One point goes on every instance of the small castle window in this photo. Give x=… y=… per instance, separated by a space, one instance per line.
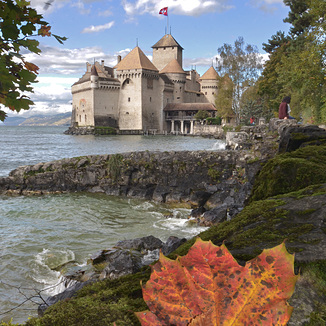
x=164 y=48
x=205 y=93
x=128 y=99
x=213 y=93
x=150 y=99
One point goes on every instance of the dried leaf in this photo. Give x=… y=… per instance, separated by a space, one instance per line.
x=208 y=287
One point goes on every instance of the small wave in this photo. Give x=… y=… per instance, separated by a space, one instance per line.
x=218 y=146
x=42 y=267
x=179 y=224
x=144 y=206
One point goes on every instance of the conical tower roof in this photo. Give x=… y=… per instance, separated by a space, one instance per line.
x=135 y=59
x=173 y=67
x=94 y=71
x=210 y=74
x=167 y=41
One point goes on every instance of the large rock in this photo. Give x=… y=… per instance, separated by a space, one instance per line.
x=294 y=137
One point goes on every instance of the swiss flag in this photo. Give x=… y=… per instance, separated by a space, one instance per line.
x=164 y=11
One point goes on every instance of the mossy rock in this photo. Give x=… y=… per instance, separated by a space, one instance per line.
x=291 y=172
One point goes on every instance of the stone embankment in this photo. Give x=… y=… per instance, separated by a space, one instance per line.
x=201 y=179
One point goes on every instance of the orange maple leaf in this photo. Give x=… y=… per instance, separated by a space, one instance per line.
x=31 y=66
x=208 y=287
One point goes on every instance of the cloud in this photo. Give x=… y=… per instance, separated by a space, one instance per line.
x=179 y=7
x=268 y=6
x=81 y=7
x=47 y=6
x=105 y=13
x=63 y=61
x=98 y=28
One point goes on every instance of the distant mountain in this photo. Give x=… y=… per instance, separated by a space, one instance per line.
x=62 y=119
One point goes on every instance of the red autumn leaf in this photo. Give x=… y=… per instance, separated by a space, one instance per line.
x=31 y=66
x=208 y=287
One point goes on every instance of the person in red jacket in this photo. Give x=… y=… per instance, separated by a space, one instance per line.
x=283 y=112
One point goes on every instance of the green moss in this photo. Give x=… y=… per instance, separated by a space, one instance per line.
x=114 y=166
x=105 y=131
x=213 y=174
x=291 y=172
x=101 y=303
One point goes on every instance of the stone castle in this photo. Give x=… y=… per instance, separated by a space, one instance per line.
x=138 y=96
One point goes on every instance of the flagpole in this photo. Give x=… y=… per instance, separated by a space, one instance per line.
x=167 y=25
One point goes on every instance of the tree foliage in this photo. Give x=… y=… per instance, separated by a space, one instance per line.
x=224 y=96
x=208 y=287
x=242 y=63
x=201 y=115
x=297 y=62
x=19 y=25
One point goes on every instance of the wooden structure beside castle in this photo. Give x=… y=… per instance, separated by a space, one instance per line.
x=139 y=96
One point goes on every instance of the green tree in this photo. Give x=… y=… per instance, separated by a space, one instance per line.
x=224 y=97
x=299 y=16
x=242 y=63
x=19 y=25
x=297 y=62
x=201 y=115
x=253 y=105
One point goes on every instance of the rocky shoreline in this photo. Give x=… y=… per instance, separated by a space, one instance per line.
x=217 y=185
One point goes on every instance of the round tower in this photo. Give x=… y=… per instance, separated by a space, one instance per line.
x=177 y=75
x=94 y=77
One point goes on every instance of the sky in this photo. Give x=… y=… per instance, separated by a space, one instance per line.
x=103 y=29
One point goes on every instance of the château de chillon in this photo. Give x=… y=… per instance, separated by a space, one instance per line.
x=138 y=96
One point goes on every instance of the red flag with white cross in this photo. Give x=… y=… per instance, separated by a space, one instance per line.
x=164 y=11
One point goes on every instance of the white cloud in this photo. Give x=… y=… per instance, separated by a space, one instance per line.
x=267 y=5
x=105 y=13
x=180 y=7
x=98 y=28
x=63 y=61
x=47 y=6
x=81 y=7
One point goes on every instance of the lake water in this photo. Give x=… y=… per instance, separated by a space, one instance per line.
x=38 y=234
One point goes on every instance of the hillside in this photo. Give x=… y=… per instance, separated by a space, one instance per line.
x=62 y=119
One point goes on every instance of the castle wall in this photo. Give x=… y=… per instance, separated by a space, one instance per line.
x=179 y=81
x=130 y=100
x=106 y=101
x=194 y=97
x=152 y=102
x=82 y=102
x=191 y=82
x=209 y=89
x=162 y=56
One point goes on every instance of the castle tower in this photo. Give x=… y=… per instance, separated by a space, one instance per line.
x=139 y=102
x=165 y=50
x=95 y=97
x=177 y=75
x=94 y=77
x=208 y=84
